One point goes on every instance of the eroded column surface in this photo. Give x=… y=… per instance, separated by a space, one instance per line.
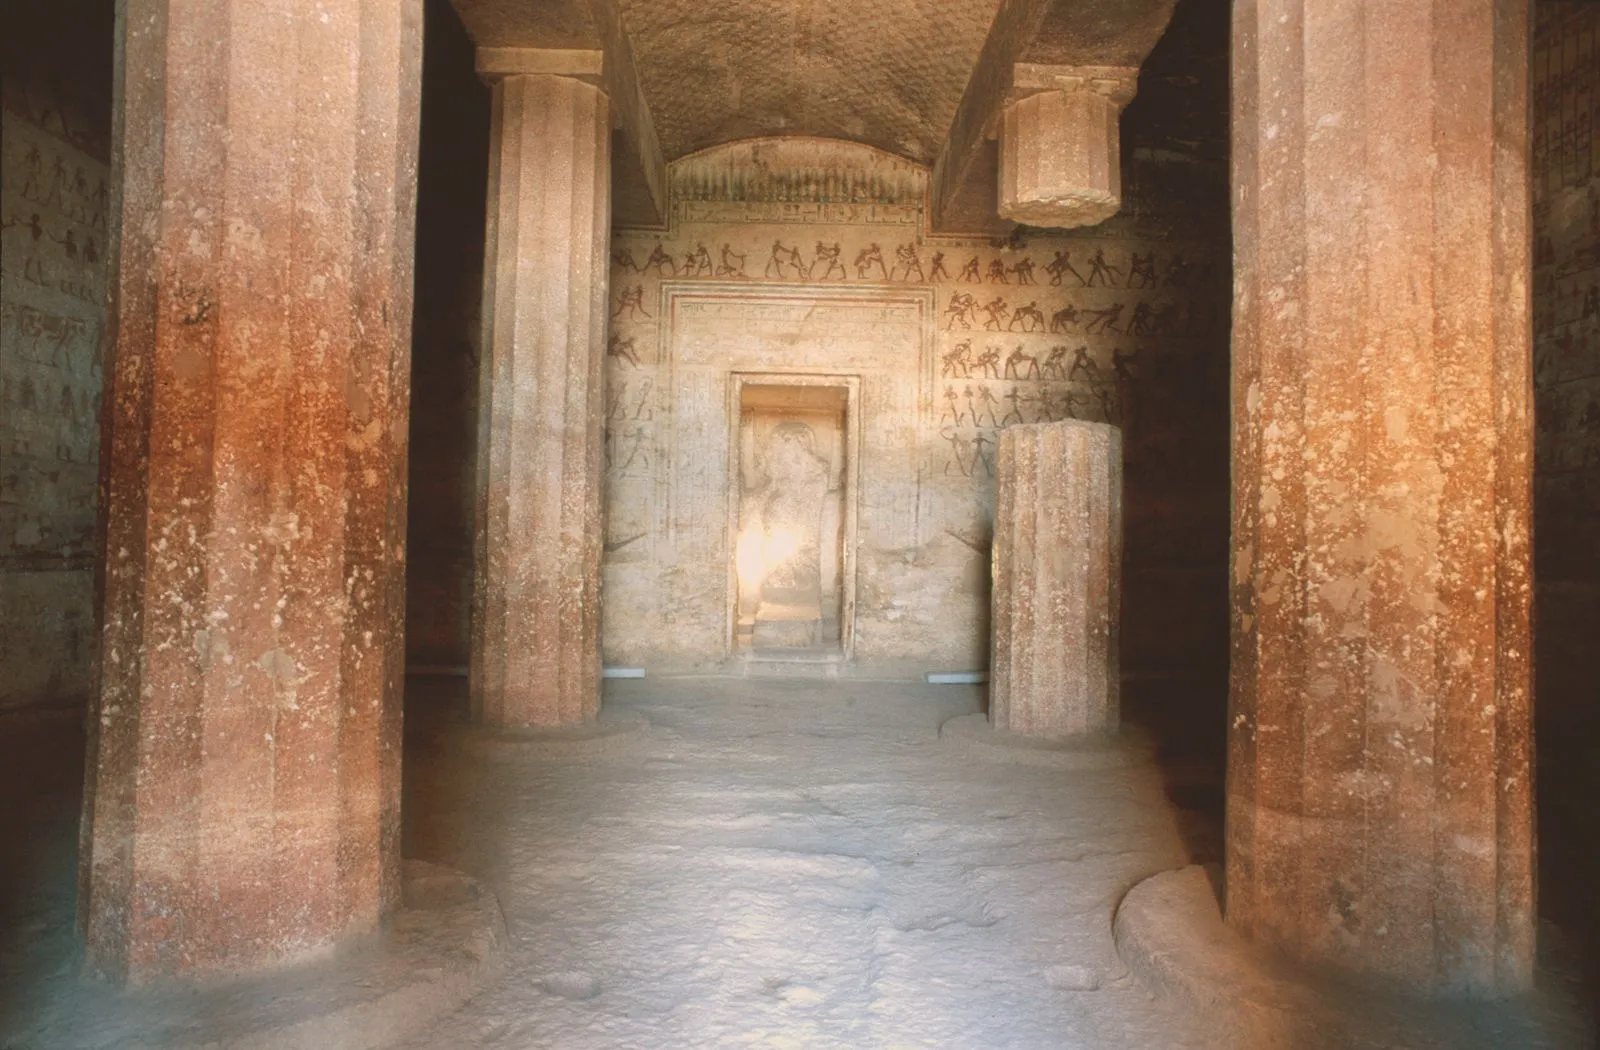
x=1379 y=792
x=536 y=616
x=242 y=800
x=1061 y=144
x=1057 y=568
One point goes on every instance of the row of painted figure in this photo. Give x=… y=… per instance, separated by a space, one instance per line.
x=992 y=362
x=63 y=267
x=629 y=440
x=998 y=316
x=72 y=195
x=970 y=407
x=975 y=405
x=963 y=311
x=962 y=362
x=785 y=261
x=630 y=451
x=969 y=452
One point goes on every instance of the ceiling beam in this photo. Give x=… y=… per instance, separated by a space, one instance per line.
x=1015 y=26
x=1028 y=33
x=583 y=39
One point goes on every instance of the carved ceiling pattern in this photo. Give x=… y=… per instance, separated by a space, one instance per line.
x=887 y=74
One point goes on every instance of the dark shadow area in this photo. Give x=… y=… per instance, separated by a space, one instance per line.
x=58 y=57
x=1565 y=183
x=56 y=86
x=452 y=184
x=41 y=780
x=1175 y=611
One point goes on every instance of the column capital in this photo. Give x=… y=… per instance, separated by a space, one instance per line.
x=1095 y=44
x=1117 y=84
x=585 y=64
x=1061 y=144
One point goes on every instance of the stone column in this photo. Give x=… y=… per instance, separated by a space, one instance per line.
x=1053 y=667
x=242 y=800
x=1379 y=783
x=1061 y=144
x=536 y=606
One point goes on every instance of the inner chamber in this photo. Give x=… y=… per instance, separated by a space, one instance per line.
x=790 y=550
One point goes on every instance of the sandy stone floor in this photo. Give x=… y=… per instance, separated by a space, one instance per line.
x=768 y=864
x=797 y=865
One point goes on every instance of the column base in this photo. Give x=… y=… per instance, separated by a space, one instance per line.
x=974 y=735
x=441 y=948
x=579 y=740
x=1170 y=933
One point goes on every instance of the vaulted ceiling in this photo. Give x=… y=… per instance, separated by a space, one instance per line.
x=921 y=79
x=887 y=73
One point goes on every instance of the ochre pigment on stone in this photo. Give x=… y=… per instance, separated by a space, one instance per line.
x=1379 y=792
x=535 y=639
x=243 y=791
x=1053 y=669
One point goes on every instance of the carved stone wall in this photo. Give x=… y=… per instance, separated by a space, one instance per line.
x=828 y=270
x=53 y=234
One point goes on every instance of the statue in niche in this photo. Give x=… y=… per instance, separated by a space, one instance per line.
x=789 y=532
x=796 y=481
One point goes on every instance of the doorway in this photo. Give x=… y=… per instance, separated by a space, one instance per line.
x=792 y=515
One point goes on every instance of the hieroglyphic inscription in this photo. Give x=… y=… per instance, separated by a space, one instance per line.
x=53 y=221
x=1564 y=177
x=821 y=213
x=53 y=237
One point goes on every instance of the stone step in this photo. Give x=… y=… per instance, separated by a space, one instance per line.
x=814 y=662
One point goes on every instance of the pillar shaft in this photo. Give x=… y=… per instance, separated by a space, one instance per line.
x=1057 y=579
x=1379 y=781
x=535 y=638
x=242 y=795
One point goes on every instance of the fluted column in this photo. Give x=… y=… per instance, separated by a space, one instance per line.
x=1053 y=669
x=1379 y=782
x=242 y=796
x=536 y=607
x=1061 y=144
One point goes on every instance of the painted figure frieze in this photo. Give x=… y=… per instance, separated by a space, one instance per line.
x=1023 y=331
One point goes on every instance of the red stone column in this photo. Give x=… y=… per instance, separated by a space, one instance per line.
x=242 y=800
x=1379 y=782
x=536 y=604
